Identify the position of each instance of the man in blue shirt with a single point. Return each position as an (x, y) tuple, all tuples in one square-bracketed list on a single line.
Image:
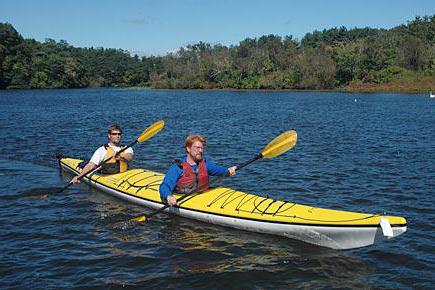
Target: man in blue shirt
[(191, 174)]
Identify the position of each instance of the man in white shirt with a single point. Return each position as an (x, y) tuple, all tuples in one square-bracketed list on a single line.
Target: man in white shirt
[(114, 165)]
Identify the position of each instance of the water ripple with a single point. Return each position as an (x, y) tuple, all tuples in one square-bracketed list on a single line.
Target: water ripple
[(375, 156)]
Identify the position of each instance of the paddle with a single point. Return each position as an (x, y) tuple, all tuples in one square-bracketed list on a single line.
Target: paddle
[(146, 134), (277, 146)]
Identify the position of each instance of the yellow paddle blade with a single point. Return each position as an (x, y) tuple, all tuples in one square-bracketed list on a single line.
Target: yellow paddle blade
[(151, 131), (139, 219), (280, 144)]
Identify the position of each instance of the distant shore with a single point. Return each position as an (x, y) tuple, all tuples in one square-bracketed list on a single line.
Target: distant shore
[(399, 87), (399, 59), (392, 87)]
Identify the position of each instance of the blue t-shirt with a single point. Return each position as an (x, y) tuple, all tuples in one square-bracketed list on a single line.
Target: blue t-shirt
[(175, 172)]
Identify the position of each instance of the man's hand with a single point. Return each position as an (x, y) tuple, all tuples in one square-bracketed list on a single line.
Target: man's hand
[(232, 170), (124, 156), (75, 180), (172, 201)]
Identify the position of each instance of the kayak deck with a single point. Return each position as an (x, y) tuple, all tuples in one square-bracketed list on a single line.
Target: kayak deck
[(242, 210)]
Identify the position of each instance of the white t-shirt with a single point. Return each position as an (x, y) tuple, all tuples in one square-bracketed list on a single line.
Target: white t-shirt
[(100, 153)]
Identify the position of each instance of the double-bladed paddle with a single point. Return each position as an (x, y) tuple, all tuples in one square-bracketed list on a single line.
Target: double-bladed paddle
[(277, 146)]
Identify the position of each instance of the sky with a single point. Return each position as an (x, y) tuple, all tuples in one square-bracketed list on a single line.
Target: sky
[(157, 27)]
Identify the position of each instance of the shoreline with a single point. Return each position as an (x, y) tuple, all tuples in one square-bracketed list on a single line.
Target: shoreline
[(369, 88), (399, 87)]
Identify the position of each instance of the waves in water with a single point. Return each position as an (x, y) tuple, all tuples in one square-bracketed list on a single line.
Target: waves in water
[(374, 155)]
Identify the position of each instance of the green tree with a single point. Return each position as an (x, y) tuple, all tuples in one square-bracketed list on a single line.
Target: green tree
[(317, 69)]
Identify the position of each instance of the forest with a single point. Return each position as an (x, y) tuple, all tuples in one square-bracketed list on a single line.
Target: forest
[(360, 59)]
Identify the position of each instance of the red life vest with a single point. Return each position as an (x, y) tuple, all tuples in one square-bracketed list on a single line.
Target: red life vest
[(190, 181)]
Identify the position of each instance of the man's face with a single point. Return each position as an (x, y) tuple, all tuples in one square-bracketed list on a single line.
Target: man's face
[(115, 137), (196, 151)]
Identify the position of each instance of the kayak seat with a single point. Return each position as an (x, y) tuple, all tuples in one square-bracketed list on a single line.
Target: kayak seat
[(82, 164)]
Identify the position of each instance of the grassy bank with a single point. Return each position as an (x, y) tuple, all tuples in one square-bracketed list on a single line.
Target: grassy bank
[(392, 87)]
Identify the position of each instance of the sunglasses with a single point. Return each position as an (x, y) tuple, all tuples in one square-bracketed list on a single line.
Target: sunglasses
[(119, 134)]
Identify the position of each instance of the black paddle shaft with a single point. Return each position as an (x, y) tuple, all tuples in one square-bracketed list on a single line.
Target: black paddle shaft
[(116, 154), (256, 157)]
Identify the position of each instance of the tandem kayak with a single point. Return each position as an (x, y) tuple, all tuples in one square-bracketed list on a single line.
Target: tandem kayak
[(231, 208)]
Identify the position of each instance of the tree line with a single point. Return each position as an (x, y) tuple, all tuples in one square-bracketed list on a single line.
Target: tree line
[(329, 59)]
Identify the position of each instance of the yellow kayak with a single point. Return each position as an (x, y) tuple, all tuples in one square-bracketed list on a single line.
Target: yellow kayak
[(228, 207)]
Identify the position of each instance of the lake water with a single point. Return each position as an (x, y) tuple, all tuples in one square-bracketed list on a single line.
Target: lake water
[(358, 152)]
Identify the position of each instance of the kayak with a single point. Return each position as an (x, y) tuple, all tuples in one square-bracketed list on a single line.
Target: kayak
[(232, 208)]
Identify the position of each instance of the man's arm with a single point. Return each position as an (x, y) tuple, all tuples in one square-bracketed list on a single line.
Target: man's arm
[(127, 155), (169, 183), (96, 159), (214, 169), (88, 168)]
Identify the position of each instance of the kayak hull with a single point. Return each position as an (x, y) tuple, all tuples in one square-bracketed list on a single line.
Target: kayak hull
[(348, 230)]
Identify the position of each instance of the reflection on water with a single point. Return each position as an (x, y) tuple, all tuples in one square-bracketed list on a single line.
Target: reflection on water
[(198, 248), (194, 249)]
